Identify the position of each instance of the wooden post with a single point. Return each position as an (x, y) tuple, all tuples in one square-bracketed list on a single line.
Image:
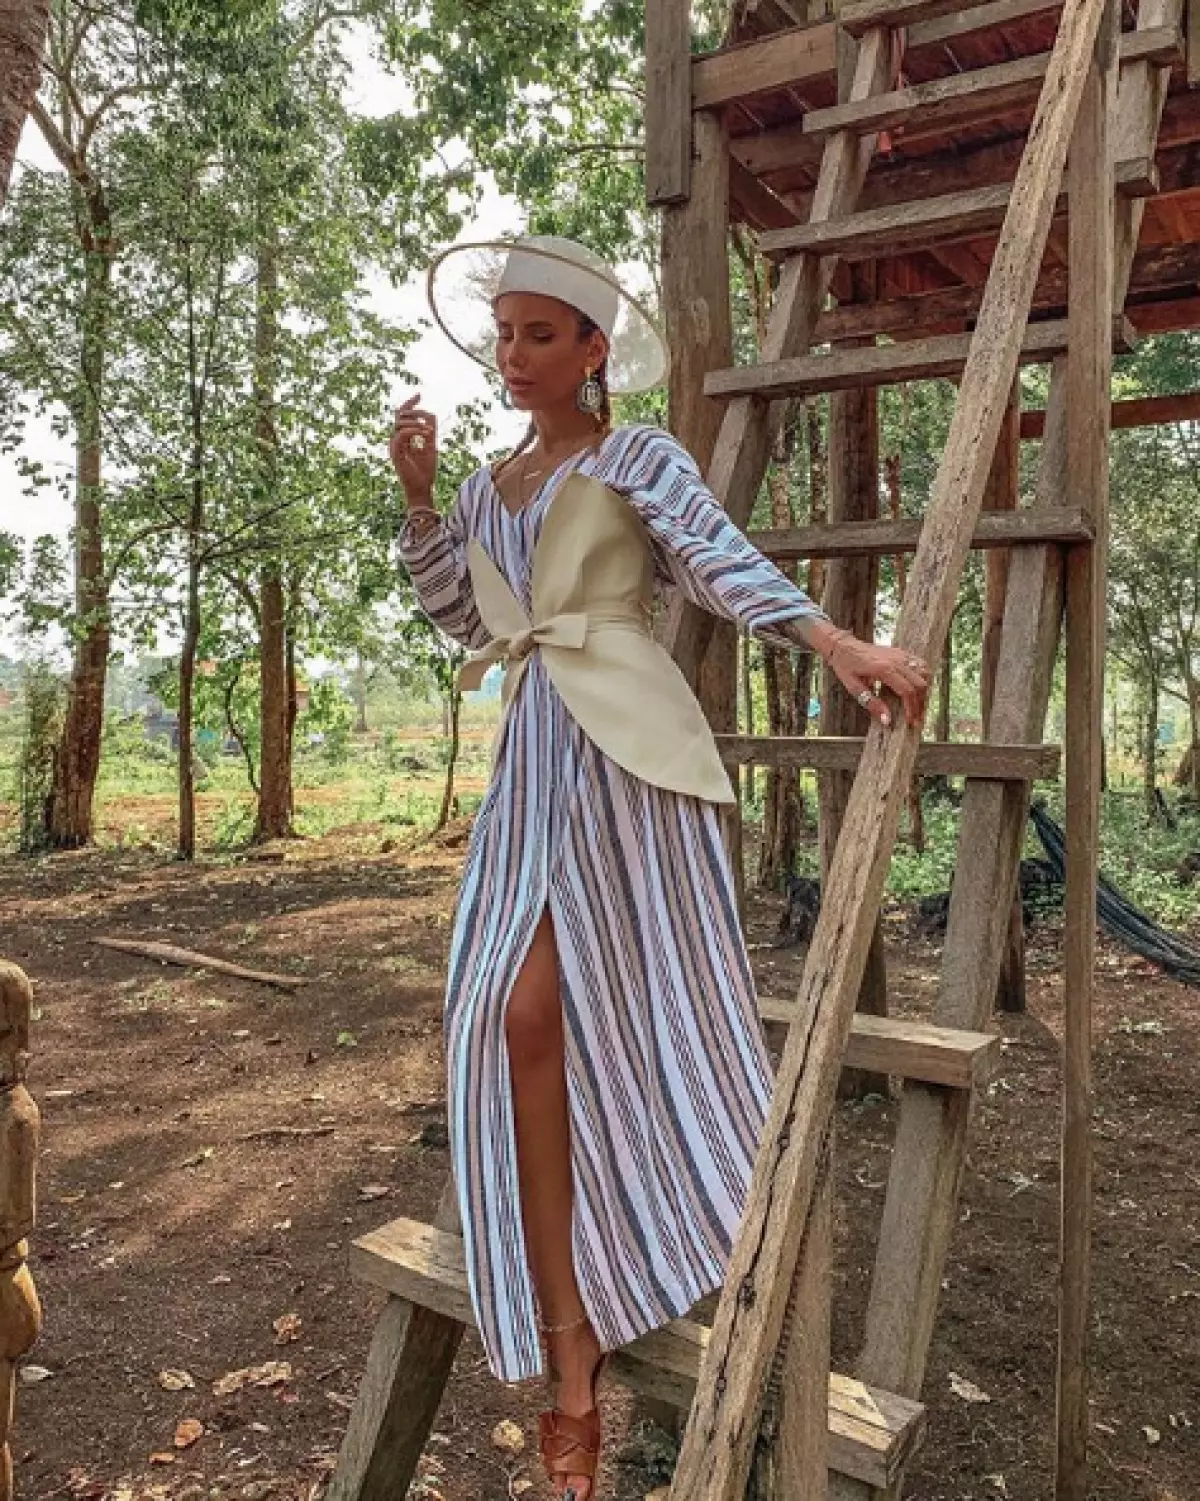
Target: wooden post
[(850, 589), (668, 101), (1089, 375), (1002, 495), (411, 1356), (20, 1313)]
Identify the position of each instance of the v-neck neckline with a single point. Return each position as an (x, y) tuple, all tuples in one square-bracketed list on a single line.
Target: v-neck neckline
[(573, 459)]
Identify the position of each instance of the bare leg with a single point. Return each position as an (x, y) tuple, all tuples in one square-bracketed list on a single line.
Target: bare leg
[(534, 1029)]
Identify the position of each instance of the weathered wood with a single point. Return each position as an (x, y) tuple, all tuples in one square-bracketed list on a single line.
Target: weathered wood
[(945, 1056), (1155, 269), (411, 1356), (920, 1210), (962, 96), (1193, 44), (20, 1311), (860, 15), (668, 101), (422, 1266), (952, 758), (885, 364), (801, 1411), (168, 953), (1089, 380), (888, 538), (1138, 411), (714, 1459), (748, 428), (777, 61)]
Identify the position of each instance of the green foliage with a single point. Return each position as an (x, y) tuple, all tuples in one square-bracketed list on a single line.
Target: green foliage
[(44, 703)]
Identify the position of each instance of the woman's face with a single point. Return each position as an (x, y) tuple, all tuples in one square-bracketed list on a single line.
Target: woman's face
[(540, 353)]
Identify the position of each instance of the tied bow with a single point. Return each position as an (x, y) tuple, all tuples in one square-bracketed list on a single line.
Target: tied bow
[(567, 629)]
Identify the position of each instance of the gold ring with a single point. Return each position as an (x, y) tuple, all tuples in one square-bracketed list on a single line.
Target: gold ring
[(865, 697), (417, 443)]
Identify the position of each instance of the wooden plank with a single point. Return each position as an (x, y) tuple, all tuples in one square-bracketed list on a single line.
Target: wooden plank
[(1137, 411), (1156, 268), (870, 1433), (714, 1458), (1089, 385), (918, 223), (897, 227), (668, 101), (935, 758), (861, 15), (748, 427), (948, 1057), (1193, 43), (880, 365), (891, 538), (966, 20), (411, 1356), (777, 61), (961, 96)]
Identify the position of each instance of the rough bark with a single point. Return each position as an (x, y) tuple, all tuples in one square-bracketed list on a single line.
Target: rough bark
[(23, 28)]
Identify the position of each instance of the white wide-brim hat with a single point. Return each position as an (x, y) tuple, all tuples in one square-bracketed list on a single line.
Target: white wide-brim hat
[(465, 281)]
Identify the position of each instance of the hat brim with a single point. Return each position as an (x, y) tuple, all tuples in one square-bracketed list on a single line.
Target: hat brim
[(464, 281)]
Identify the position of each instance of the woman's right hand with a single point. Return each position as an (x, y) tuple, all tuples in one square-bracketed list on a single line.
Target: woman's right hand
[(413, 451)]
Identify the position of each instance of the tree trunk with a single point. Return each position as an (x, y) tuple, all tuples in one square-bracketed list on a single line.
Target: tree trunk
[(1150, 750), (748, 726), (781, 803), (23, 28), (358, 686), (274, 816), (454, 701), (187, 671), (77, 761)]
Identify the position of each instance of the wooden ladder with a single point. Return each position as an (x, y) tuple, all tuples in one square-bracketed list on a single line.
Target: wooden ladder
[(765, 1411)]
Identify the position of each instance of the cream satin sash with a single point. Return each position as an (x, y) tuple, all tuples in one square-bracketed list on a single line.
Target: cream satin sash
[(591, 588)]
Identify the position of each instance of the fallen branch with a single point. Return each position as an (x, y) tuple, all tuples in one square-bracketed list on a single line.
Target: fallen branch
[(283, 1133), (167, 953)]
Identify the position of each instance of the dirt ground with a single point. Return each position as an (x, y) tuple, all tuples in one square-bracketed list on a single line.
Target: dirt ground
[(211, 1147)]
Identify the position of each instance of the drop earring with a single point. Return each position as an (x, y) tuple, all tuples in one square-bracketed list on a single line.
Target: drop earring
[(591, 395)]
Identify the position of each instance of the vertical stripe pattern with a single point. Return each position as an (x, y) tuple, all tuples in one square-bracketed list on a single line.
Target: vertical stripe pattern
[(668, 1079)]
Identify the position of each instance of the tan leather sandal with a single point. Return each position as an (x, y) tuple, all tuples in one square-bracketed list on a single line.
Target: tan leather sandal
[(571, 1446)]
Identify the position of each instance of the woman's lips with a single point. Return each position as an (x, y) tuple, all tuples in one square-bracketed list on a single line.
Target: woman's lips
[(516, 384)]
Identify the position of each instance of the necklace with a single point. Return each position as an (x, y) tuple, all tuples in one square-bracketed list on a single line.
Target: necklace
[(528, 474)]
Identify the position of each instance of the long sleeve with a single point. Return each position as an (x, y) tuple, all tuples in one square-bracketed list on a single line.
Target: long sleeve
[(700, 551), (437, 564)]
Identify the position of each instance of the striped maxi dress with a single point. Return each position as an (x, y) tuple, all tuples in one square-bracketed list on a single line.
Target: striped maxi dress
[(668, 1078)]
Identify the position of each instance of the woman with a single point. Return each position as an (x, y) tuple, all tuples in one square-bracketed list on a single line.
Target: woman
[(607, 1076)]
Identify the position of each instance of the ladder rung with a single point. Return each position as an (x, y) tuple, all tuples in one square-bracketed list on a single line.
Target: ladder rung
[(887, 364), (984, 90), (908, 1049), (871, 1433), (935, 758), (922, 222), (858, 539)]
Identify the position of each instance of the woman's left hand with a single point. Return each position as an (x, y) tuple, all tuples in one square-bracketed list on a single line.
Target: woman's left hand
[(861, 667)]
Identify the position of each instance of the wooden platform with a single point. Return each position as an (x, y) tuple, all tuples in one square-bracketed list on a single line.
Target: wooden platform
[(971, 74), (871, 1433)]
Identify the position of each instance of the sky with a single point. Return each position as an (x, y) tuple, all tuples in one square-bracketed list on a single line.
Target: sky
[(446, 376)]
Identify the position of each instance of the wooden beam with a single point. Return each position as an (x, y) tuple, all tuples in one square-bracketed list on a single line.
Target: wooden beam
[(749, 426), (860, 15), (943, 101), (1157, 268), (668, 101), (715, 1455), (889, 538), (880, 365), (897, 1046), (1089, 386), (950, 758), (1193, 44), (777, 61), (1140, 411), (921, 222), (870, 1433)]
